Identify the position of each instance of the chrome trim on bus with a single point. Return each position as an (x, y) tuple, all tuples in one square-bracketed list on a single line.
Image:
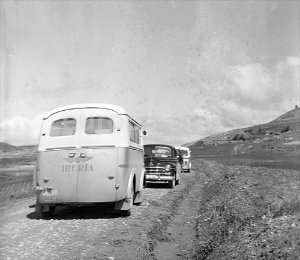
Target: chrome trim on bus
[(61, 148), (98, 146), (130, 165)]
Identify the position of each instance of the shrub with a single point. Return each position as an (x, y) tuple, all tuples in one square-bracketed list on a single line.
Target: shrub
[(286, 129), (261, 131), (250, 131), (236, 137), (239, 137)]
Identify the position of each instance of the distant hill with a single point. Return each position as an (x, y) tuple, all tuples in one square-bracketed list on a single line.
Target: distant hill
[(292, 116), (288, 122), (6, 148), (275, 144)]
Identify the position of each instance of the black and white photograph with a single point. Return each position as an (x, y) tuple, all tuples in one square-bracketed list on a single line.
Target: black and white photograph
[(149, 129)]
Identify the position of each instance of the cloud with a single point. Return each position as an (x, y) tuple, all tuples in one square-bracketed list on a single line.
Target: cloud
[(254, 86), (164, 69), (251, 94), (20, 130), (293, 61), (177, 130), (249, 85)]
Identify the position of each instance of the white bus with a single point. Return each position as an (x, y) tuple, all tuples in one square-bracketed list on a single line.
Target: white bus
[(89, 153)]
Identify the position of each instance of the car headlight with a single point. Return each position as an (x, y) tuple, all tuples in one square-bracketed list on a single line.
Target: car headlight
[(167, 167)]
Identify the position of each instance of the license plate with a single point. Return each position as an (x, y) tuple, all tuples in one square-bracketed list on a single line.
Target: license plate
[(50, 196)]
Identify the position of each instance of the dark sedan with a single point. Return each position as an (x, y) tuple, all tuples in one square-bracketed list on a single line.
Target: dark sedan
[(162, 164)]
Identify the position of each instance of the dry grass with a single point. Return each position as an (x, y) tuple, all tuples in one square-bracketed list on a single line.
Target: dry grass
[(16, 173), (248, 213)]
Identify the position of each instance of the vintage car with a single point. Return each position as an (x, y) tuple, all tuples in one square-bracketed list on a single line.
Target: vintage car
[(89, 154), (162, 164), (185, 152)]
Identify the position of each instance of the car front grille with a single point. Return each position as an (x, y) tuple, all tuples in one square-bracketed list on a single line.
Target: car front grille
[(155, 169)]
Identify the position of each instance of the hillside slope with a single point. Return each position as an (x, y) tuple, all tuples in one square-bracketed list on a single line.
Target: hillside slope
[(8, 148), (274, 144), (288, 122), (4, 147)]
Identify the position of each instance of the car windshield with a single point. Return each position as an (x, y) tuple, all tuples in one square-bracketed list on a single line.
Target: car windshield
[(155, 150), (184, 152)]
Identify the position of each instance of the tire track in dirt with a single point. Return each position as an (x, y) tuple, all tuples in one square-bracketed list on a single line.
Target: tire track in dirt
[(95, 232), (172, 231), (181, 231)]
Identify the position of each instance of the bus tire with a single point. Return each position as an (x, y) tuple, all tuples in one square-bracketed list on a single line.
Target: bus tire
[(48, 214), (127, 212)]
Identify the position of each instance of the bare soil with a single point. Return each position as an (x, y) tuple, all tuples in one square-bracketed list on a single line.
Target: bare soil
[(97, 232), (217, 212)]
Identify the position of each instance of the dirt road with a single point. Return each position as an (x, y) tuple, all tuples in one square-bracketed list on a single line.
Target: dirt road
[(217, 212), (161, 228)]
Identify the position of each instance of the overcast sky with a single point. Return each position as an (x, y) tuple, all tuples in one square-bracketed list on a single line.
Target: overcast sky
[(184, 69)]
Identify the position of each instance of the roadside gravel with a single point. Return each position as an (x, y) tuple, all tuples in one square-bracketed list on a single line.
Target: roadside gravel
[(217, 212), (85, 232)]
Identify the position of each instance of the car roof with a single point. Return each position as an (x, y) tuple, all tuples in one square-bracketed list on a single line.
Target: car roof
[(167, 145), (182, 148)]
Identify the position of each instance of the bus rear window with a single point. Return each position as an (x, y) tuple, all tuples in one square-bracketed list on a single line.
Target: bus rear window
[(98, 125), (63, 127)]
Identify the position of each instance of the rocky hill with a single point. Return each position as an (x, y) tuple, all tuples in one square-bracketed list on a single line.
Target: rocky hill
[(276, 143), (276, 129)]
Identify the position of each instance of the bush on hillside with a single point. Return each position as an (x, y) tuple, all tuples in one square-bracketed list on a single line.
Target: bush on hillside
[(199, 143), (285, 129), (250, 131), (239, 137), (260, 131)]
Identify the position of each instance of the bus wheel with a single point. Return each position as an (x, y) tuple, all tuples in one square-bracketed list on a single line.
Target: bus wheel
[(127, 212), (48, 214)]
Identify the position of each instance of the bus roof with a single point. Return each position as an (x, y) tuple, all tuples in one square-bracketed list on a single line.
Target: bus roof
[(119, 110)]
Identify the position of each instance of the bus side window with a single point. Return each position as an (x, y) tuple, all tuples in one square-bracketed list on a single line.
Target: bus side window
[(131, 131), (134, 132)]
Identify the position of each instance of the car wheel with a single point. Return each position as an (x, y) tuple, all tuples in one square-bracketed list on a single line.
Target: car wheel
[(172, 184)]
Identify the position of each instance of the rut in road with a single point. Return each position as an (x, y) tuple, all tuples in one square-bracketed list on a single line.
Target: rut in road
[(173, 231)]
